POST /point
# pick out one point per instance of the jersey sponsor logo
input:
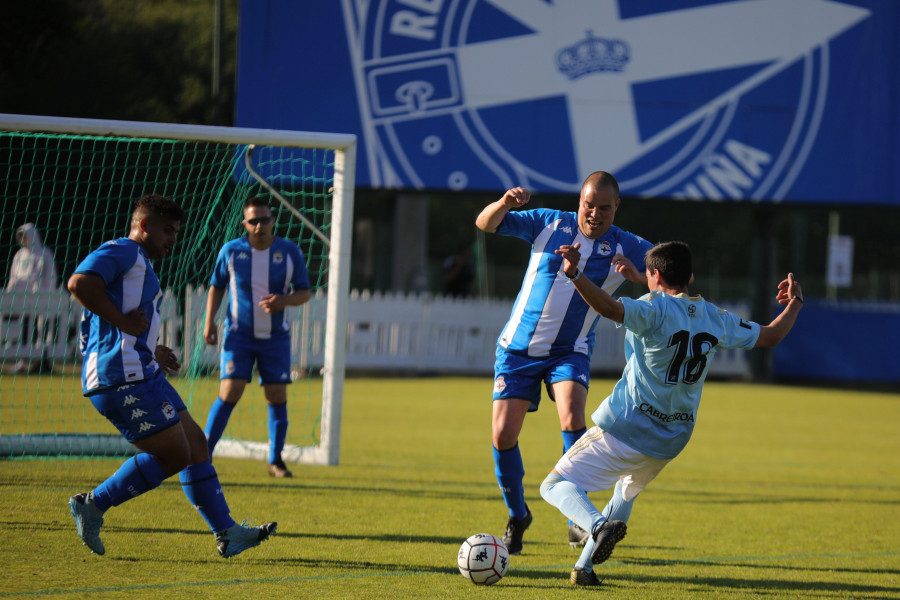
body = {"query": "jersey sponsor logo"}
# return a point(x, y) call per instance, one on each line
point(145, 426)
point(168, 411)
point(122, 388)
point(648, 409)
point(692, 310)
point(129, 400)
point(447, 85)
point(499, 385)
point(138, 413)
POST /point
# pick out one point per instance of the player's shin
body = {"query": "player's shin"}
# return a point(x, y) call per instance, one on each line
point(200, 483)
point(140, 473)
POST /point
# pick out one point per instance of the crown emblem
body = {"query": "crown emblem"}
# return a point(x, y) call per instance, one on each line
point(592, 55)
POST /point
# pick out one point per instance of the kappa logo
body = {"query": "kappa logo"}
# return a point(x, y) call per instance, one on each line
point(449, 84)
point(138, 413)
point(242, 256)
point(129, 400)
point(583, 377)
point(145, 426)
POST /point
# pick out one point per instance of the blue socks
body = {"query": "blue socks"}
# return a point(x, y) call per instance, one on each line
point(509, 471)
point(278, 424)
point(138, 474)
point(216, 422)
point(201, 486)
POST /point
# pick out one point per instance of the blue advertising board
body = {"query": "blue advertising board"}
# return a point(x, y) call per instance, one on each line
point(756, 100)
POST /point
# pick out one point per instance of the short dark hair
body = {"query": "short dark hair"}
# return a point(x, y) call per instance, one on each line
point(257, 201)
point(673, 261)
point(155, 204)
point(602, 179)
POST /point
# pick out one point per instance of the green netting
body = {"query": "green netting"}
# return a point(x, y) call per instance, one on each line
point(78, 191)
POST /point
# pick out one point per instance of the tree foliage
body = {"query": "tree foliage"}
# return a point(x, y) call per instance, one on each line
point(140, 60)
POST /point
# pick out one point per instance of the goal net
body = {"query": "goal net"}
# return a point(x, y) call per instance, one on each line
point(68, 185)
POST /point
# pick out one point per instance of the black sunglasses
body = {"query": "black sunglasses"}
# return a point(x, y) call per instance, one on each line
point(259, 221)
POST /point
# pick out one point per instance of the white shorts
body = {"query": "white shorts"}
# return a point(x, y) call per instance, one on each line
point(598, 460)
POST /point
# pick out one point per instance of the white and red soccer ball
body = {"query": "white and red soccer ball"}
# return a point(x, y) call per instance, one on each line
point(483, 559)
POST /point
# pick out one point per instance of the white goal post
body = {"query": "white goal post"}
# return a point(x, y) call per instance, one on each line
point(333, 290)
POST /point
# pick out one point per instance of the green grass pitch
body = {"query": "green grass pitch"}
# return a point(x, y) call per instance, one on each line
point(784, 492)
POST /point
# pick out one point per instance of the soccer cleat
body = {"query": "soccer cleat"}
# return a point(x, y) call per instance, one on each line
point(238, 538)
point(279, 469)
point(88, 520)
point(514, 530)
point(606, 536)
point(584, 578)
point(577, 536)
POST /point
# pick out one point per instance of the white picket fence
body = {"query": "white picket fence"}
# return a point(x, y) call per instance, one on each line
point(391, 333)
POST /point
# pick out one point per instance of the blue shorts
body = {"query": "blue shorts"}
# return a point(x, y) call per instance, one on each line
point(517, 376)
point(272, 358)
point(139, 410)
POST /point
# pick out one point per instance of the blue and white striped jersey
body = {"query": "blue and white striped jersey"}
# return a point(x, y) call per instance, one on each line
point(668, 345)
point(250, 274)
point(549, 315)
point(111, 357)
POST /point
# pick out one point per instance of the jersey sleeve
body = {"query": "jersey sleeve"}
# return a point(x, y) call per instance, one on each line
point(108, 261)
point(739, 333)
point(219, 278)
point(635, 249)
point(524, 224)
point(300, 279)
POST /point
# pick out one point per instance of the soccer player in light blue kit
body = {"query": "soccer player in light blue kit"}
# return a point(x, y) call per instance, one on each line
point(550, 333)
point(650, 414)
point(263, 274)
point(123, 374)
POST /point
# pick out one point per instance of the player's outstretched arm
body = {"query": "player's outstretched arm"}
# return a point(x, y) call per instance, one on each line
point(489, 219)
point(627, 269)
point(603, 303)
point(789, 294)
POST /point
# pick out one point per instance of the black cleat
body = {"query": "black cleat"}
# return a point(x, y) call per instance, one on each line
point(577, 536)
point(606, 536)
point(514, 530)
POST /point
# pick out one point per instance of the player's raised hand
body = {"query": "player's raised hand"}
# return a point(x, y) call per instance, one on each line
point(789, 289)
point(571, 257)
point(516, 197)
point(626, 268)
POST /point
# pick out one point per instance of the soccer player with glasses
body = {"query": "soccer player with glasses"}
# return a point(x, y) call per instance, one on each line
point(263, 274)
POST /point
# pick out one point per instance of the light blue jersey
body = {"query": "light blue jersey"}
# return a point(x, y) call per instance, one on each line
point(112, 357)
point(250, 274)
point(669, 342)
point(549, 316)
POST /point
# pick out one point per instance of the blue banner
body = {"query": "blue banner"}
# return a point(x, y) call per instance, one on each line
point(737, 100)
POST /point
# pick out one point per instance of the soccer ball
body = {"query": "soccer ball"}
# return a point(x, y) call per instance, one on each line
point(483, 559)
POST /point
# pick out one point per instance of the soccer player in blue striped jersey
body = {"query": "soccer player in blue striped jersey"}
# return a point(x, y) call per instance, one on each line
point(262, 274)
point(123, 374)
point(650, 415)
point(550, 333)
